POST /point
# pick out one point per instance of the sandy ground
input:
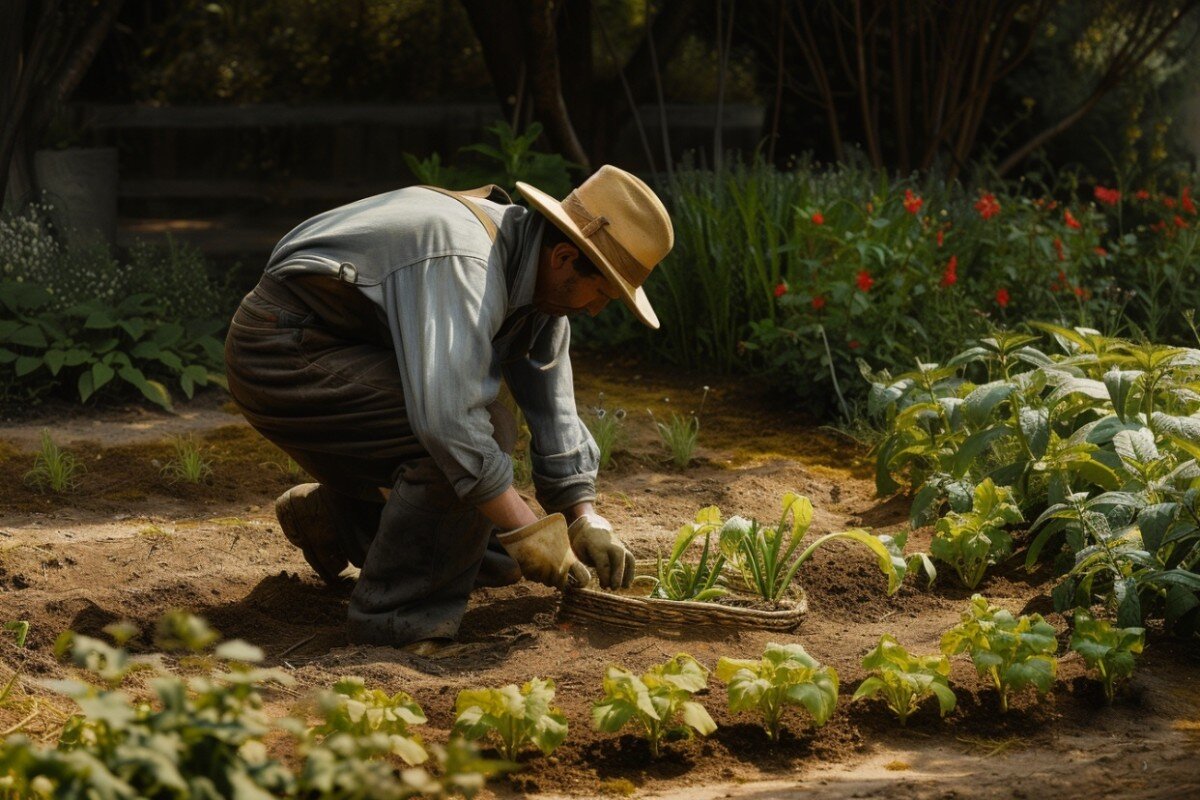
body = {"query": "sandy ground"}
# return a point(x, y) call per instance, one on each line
point(127, 544)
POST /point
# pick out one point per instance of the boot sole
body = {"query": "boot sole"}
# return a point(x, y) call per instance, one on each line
point(293, 532)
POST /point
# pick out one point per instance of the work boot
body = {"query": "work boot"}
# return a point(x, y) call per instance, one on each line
point(306, 515)
point(497, 568)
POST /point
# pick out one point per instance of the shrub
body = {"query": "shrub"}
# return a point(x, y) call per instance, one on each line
point(973, 540)
point(786, 675)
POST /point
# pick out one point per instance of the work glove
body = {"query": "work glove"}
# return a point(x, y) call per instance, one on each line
point(542, 550)
point(593, 540)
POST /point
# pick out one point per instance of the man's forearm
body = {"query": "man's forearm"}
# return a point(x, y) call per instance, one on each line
point(508, 511)
point(578, 510)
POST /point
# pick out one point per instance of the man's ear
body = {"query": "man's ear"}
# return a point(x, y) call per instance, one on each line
point(563, 254)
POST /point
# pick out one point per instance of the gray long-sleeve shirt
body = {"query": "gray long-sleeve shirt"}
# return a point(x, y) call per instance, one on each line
point(459, 309)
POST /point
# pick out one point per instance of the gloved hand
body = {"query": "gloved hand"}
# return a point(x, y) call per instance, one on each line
point(543, 551)
point(593, 540)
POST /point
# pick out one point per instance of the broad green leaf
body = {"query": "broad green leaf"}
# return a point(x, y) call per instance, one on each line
point(979, 404)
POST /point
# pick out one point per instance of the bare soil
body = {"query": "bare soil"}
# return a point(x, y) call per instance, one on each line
point(129, 544)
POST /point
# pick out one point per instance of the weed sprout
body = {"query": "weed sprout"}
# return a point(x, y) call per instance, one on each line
point(606, 429)
point(680, 434)
point(189, 464)
point(53, 468)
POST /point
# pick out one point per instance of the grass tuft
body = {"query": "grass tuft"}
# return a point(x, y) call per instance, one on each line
point(189, 464)
point(53, 468)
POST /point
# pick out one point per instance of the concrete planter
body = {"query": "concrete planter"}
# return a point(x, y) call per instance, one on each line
point(81, 184)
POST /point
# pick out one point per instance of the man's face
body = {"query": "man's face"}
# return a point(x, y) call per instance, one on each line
point(562, 291)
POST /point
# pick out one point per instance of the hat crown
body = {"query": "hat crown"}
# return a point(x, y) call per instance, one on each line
point(636, 217)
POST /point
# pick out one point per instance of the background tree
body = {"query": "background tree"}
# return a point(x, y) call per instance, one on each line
point(917, 82)
point(46, 48)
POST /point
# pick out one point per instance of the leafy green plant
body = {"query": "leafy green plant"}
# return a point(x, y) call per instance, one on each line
point(972, 541)
point(87, 346)
point(517, 717)
point(352, 710)
point(510, 159)
point(207, 735)
point(1015, 652)
point(189, 464)
point(904, 680)
point(659, 702)
point(786, 675)
point(54, 469)
point(1107, 650)
point(767, 557)
point(681, 579)
point(606, 429)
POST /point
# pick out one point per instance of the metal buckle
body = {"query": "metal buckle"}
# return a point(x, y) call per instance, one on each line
point(348, 273)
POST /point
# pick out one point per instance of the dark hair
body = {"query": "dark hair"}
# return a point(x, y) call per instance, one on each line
point(552, 235)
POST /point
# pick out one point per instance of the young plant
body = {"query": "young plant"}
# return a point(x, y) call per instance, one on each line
point(1108, 650)
point(1014, 652)
point(516, 717)
point(785, 676)
point(354, 712)
point(683, 580)
point(189, 464)
point(53, 468)
point(680, 434)
point(971, 541)
point(905, 680)
point(605, 427)
point(767, 559)
point(659, 702)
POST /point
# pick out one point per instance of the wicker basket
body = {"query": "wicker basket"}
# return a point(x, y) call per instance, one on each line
point(629, 609)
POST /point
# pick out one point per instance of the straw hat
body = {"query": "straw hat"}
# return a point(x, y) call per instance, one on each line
point(620, 224)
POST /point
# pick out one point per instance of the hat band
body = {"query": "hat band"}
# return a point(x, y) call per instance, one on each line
point(595, 230)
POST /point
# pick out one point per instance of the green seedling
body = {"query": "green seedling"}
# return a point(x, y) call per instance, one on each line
point(1108, 650)
point(785, 676)
point(971, 541)
point(659, 702)
point(767, 557)
point(189, 464)
point(53, 468)
point(1014, 652)
point(606, 429)
point(905, 680)
point(680, 434)
point(678, 579)
point(516, 717)
point(352, 711)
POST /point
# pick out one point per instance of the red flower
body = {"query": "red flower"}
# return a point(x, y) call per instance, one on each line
point(781, 289)
point(1069, 218)
point(818, 302)
point(818, 218)
point(1142, 194)
point(950, 275)
point(1078, 290)
point(1179, 223)
point(1002, 297)
point(853, 344)
point(864, 281)
point(1168, 202)
point(912, 202)
point(987, 206)
point(1159, 227)
point(1186, 202)
point(1109, 197)
point(940, 237)
point(1100, 251)
point(1058, 247)
point(1061, 282)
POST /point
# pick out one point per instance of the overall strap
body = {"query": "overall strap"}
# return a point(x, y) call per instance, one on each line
point(489, 192)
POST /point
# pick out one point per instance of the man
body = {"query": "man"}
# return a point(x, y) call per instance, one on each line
point(372, 351)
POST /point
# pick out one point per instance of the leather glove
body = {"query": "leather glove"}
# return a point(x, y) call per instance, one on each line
point(543, 551)
point(593, 540)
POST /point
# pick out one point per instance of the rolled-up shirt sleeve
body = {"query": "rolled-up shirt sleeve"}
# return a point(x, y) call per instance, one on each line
point(564, 455)
point(442, 313)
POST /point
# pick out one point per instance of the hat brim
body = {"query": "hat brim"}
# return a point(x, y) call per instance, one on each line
point(633, 296)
